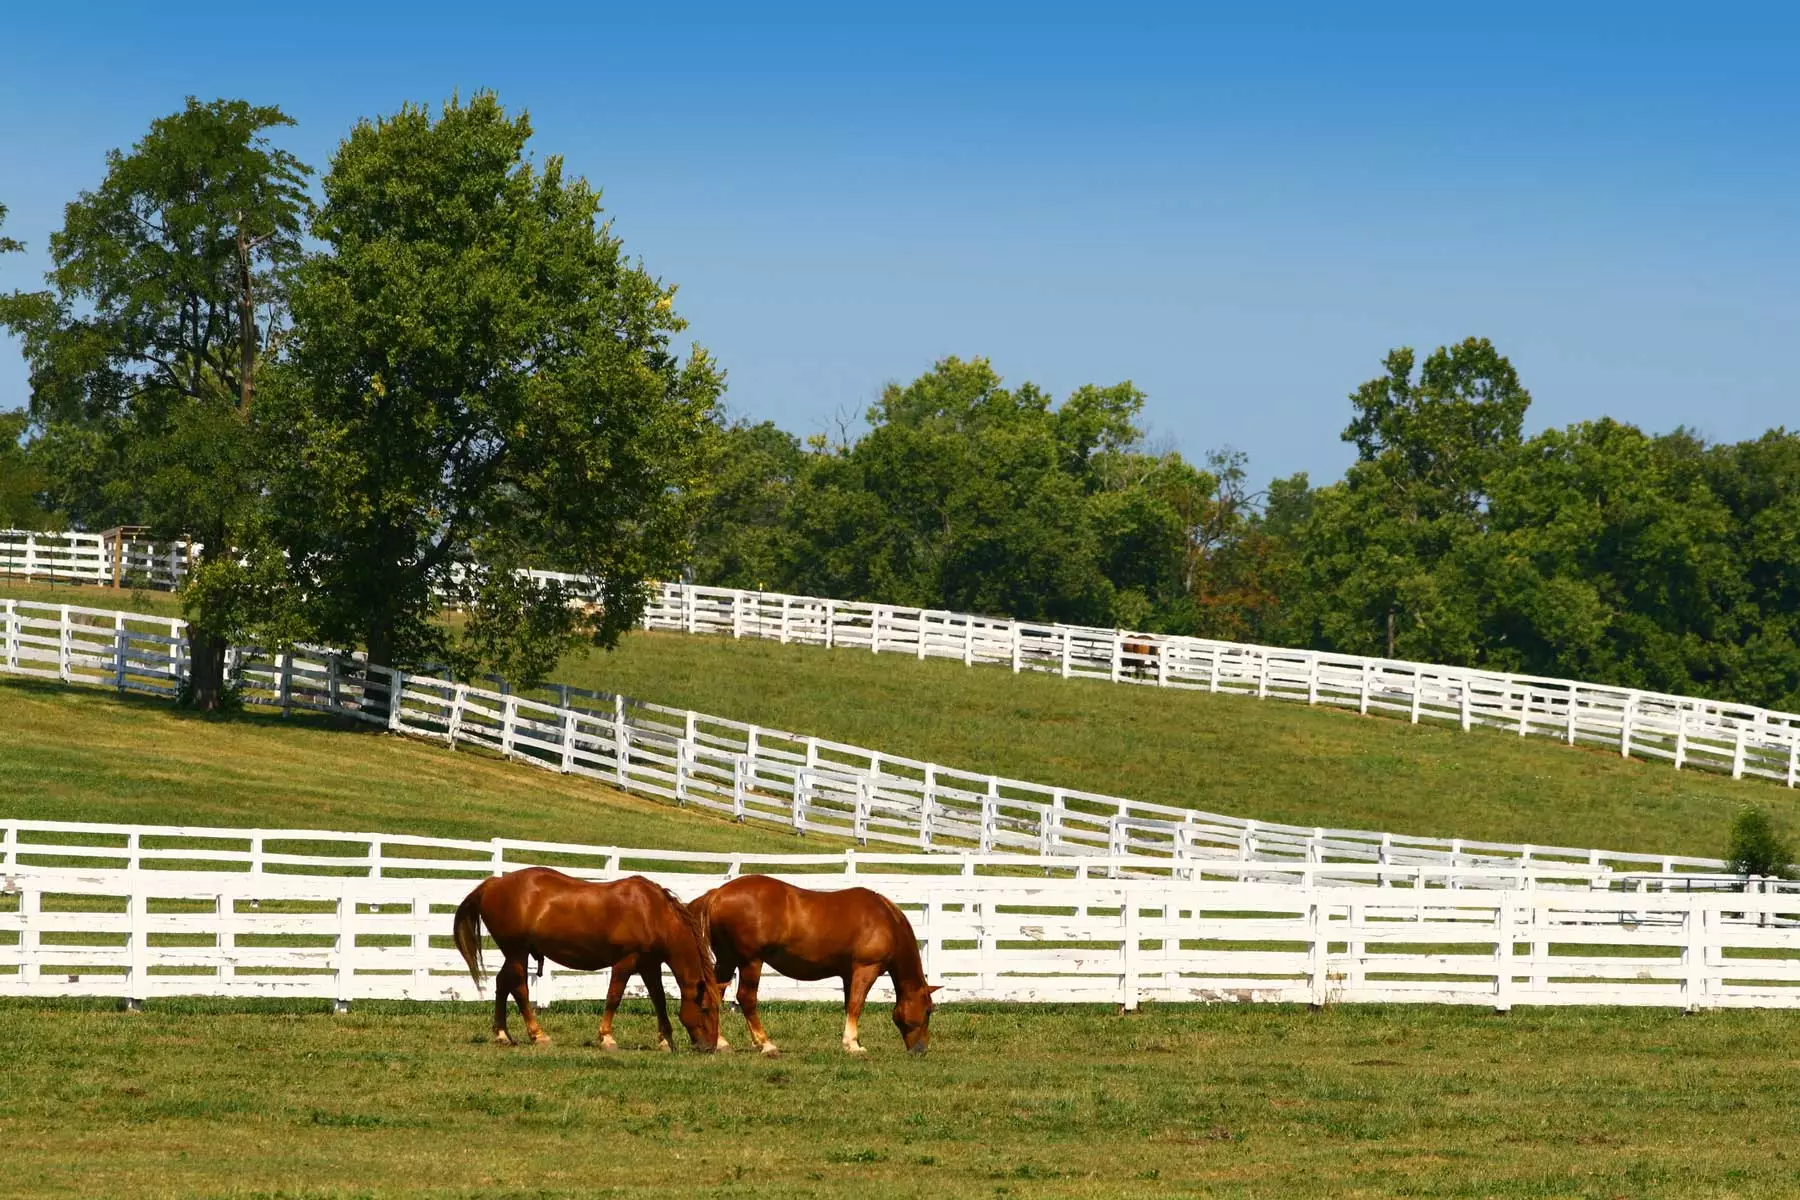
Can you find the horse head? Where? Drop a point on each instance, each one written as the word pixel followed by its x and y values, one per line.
pixel 912 1017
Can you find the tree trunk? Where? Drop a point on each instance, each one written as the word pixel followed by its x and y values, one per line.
pixel 377 700
pixel 1390 631
pixel 206 670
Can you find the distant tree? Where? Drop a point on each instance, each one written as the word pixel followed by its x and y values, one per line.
pixel 22 481
pixel 743 534
pixel 478 380
pixel 1756 847
pixel 165 294
pixel 1379 562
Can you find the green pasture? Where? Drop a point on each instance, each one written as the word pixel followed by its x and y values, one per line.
pixel 281 1099
pixel 72 753
pixel 1269 760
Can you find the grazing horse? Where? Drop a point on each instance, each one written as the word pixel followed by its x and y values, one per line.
pixel 1142 654
pixel 538 912
pixel 854 934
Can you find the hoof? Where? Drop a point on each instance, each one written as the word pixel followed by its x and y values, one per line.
pixel 540 1039
pixel 607 1043
pixel 662 1044
pixel 722 1046
pixel 503 1038
pixel 854 1048
pixel 770 1050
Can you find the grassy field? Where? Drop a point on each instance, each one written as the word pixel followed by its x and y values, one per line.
pixel 217 1098
pixel 1269 760
pixel 142 600
pixel 1230 1101
pixel 86 754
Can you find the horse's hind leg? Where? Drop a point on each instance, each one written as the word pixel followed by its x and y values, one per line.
pixel 749 977
pixel 511 975
pixel 665 1032
pixel 615 992
pixel 521 992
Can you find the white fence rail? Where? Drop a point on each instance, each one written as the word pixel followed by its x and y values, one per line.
pixel 747 771
pixel 1735 739
pixel 224 912
pixel 90 558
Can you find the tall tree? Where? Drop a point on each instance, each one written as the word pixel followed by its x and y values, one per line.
pixel 165 293
pixel 478 380
pixel 1379 544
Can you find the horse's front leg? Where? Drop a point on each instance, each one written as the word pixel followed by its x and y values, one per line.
pixel 856 990
pixel 749 979
pixel 615 992
pixel 651 973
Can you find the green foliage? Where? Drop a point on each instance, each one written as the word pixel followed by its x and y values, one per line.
pixel 965 494
pixel 22 481
pixel 478 380
pixel 166 289
pixel 1757 847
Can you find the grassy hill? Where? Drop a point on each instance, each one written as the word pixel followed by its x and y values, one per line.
pixel 1269 760
pixel 1273 761
pixel 87 754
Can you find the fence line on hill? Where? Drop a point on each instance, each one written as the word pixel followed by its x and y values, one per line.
pixel 174 912
pixel 751 773
pixel 1713 735
pixel 1735 739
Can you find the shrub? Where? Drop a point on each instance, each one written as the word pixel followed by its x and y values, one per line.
pixel 1756 847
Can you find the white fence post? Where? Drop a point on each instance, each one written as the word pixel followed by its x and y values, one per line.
pixel 1128 990
pixel 621 745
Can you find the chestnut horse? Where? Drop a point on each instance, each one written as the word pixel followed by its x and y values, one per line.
pixel 854 934
pixel 587 926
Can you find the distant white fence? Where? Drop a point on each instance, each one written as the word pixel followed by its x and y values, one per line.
pixel 221 912
pixel 1736 739
pixel 90 558
pixel 752 773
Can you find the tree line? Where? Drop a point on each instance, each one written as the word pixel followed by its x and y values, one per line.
pixel 372 389
pixel 1596 551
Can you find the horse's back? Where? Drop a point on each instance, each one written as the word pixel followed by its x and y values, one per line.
pixel 756 916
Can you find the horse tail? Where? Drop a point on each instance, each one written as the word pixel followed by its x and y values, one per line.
pixel 468 933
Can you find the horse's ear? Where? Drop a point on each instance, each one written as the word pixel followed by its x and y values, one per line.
pixel 933 987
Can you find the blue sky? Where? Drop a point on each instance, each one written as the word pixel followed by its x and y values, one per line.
pixel 1239 209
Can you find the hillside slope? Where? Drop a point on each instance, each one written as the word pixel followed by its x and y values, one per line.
pixel 1228 754
pixel 86 754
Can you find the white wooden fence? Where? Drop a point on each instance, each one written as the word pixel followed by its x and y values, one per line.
pixel 90 558
pixel 1737 739
pixel 750 772
pixel 174 911
pixel 1714 735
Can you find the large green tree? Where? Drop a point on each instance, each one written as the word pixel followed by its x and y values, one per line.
pixel 1379 571
pixel 478 380
pixel 165 295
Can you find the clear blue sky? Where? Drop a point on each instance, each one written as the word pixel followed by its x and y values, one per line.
pixel 1239 211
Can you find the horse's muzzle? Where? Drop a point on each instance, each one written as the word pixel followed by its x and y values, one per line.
pixel 917 1051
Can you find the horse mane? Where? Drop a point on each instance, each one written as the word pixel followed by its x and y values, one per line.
pixel 697 925
pixel 904 925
